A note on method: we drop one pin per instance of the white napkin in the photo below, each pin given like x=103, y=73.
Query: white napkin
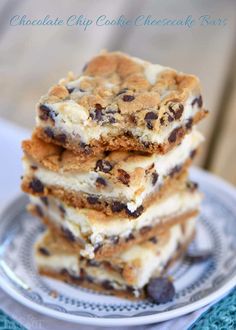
x=10, y=172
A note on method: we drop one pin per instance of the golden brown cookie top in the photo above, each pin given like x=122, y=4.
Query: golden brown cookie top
x=116, y=89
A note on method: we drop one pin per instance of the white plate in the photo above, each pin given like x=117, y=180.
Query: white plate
x=196, y=285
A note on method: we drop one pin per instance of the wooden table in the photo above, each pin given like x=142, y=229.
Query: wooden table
x=34, y=57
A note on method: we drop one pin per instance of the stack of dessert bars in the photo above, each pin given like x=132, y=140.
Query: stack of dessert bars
x=106, y=170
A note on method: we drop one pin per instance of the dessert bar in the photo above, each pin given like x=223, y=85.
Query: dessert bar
x=127, y=274
x=120, y=103
x=100, y=235
x=119, y=182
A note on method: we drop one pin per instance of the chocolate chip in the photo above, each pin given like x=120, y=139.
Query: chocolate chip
x=189, y=123
x=128, y=98
x=195, y=101
x=146, y=144
x=64, y=271
x=170, y=118
x=136, y=213
x=152, y=166
x=168, y=264
x=111, y=120
x=44, y=251
x=87, y=149
x=114, y=239
x=82, y=273
x=162, y=121
x=149, y=125
x=175, y=170
x=129, y=237
x=68, y=234
x=61, y=138
x=130, y=289
x=106, y=115
x=160, y=290
x=153, y=240
x=62, y=210
x=107, y=285
x=70, y=89
x=39, y=210
x=101, y=181
x=179, y=247
x=92, y=199
x=36, y=185
x=145, y=229
x=198, y=100
x=103, y=166
x=128, y=134
x=150, y=116
x=199, y=256
x=179, y=112
x=123, y=176
x=154, y=178
x=193, y=153
x=89, y=278
x=117, y=206
x=45, y=112
x=93, y=263
x=133, y=119
x=98, y=106
x=167, y=116
x=192, y=185
x=44, y=200
x=174, y=134
x=49, y=132
x=97, y=247
x=76, y=278
x=96, y=115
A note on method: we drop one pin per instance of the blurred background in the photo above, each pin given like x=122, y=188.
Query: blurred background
x=32, y=58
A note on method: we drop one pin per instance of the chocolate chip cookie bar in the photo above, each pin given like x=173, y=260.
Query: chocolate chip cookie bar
x=120, y=103
x=126, y=275
x=115, y=182
x=98, y=235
